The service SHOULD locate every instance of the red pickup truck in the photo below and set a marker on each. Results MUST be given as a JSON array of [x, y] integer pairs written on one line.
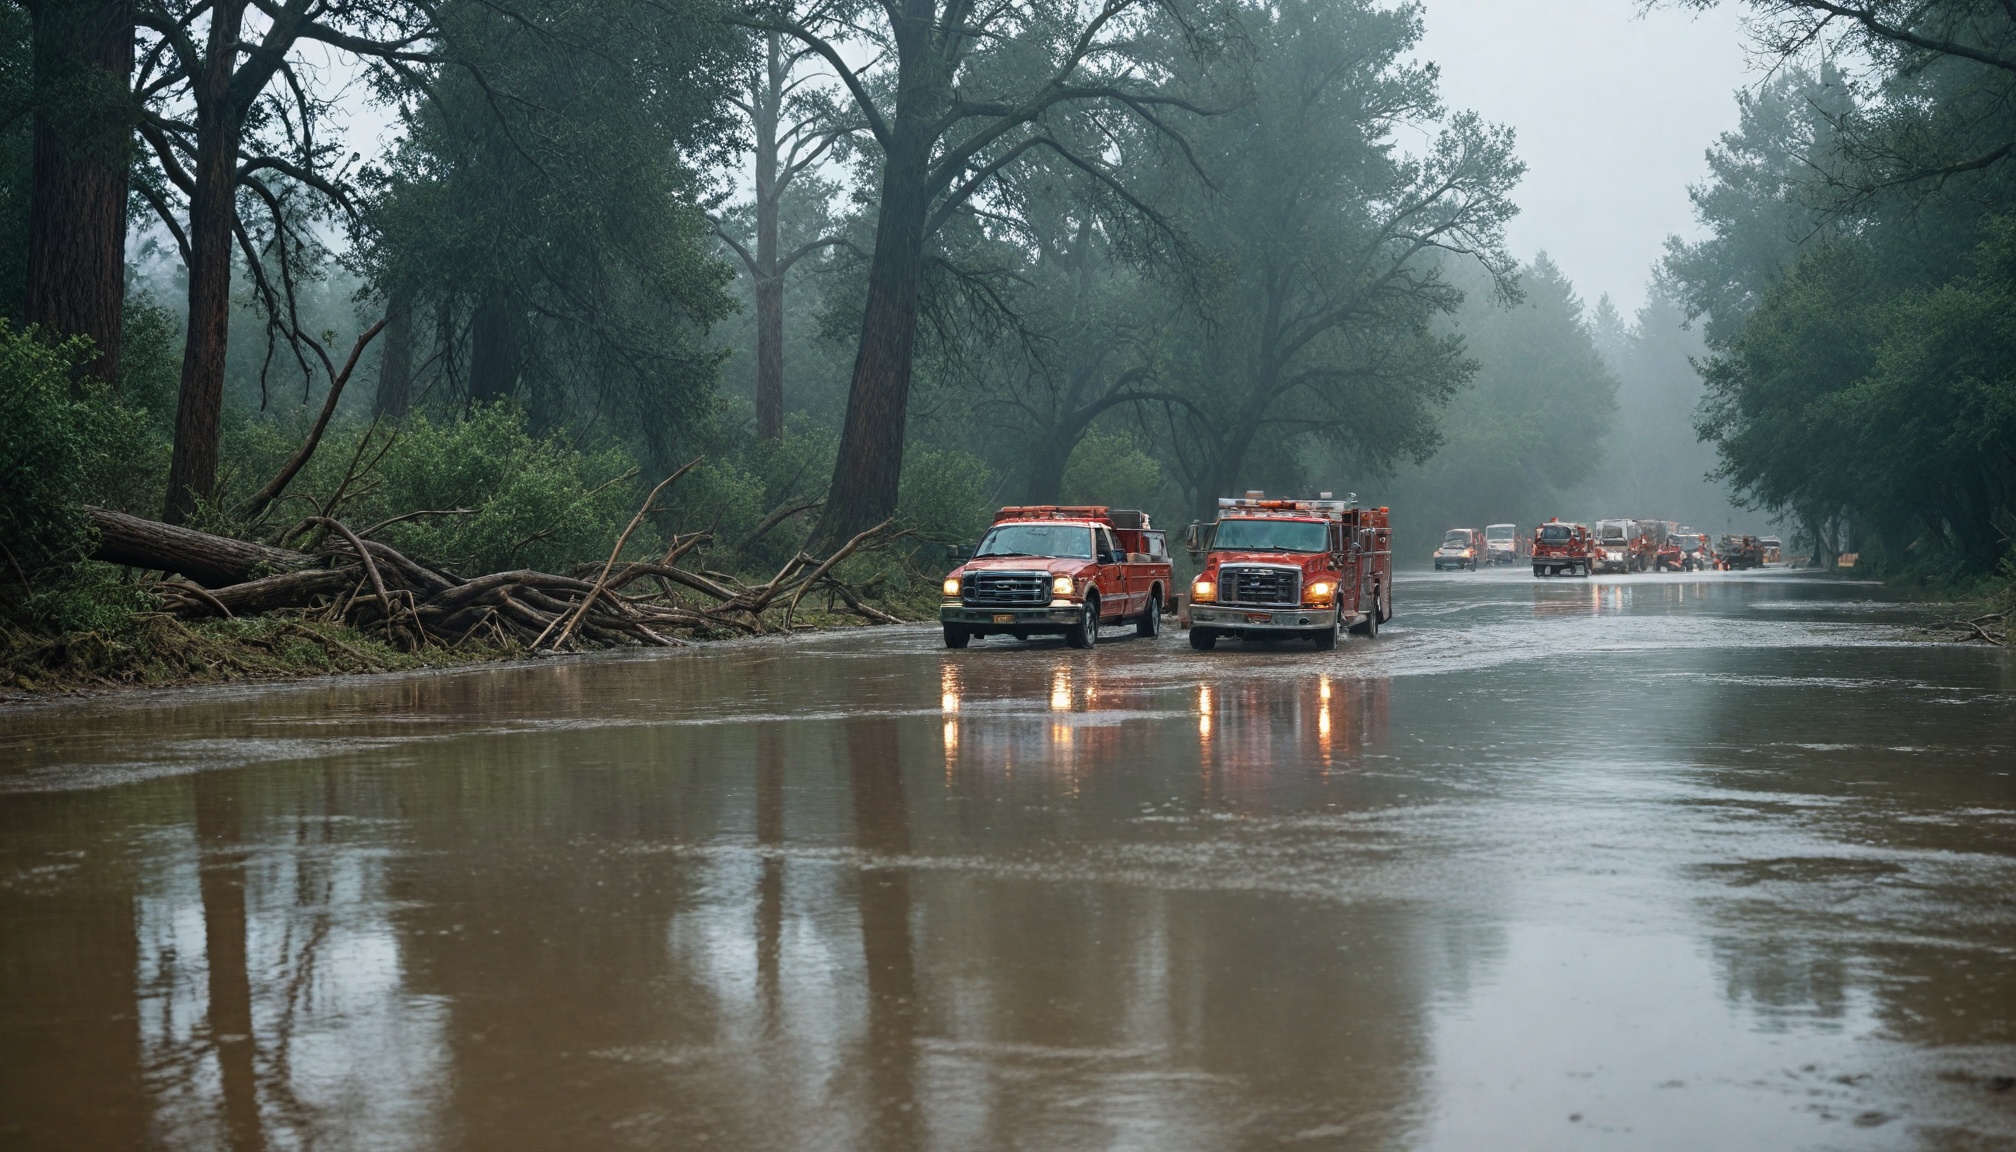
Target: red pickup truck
[[1291, 568], [1055, 569], [1563, 548]]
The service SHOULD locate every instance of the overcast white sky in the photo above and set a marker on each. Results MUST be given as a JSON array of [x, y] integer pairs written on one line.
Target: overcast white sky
[[1614, 112]]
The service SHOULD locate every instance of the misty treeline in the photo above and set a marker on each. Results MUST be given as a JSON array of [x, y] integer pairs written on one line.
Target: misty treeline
[[869, 263], [1857, 289]]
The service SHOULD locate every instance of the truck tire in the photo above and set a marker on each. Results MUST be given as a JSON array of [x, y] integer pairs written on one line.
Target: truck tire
[[1582, 570], [1203, 639], [1540, 570], [1326, 640], [956, 636], [1369, 626], [1085, 633], [1149, 624]]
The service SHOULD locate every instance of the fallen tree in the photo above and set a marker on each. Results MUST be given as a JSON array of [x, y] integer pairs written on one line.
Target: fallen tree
[[351, 579]]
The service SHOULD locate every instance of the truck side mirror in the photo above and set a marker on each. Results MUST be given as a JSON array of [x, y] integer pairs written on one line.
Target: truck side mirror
[[959, 552], [1193, 539]]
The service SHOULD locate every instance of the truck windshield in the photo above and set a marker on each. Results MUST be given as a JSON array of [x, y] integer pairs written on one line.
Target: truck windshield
[[1610, 531], [1456, 536], [1069, 541], [1270, 536], [1498, 532], [1555, 533]]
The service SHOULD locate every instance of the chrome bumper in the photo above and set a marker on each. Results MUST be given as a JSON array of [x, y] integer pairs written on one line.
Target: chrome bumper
[[1057, 614], [1261, 619]]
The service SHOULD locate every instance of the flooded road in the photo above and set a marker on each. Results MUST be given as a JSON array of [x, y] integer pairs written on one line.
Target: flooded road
[[1672, 862]]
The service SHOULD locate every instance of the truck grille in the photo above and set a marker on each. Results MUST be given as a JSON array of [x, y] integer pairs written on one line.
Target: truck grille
[[1259, 586], [1003, 589]]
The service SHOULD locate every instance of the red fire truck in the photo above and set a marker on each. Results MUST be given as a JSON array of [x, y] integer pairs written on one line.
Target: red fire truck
[[1276, 569], [1563, 548], [1053, 569]]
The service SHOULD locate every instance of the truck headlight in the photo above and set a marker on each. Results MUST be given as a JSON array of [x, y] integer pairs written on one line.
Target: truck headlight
[[1204, 591], [1320, 592], [951, 587], [1061, 586]]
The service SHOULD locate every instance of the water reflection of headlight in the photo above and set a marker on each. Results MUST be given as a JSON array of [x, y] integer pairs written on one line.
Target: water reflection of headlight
[[1060, 690]]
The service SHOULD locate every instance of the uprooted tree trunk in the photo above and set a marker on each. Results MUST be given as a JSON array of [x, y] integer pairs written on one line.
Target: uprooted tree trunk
[[374, 587]]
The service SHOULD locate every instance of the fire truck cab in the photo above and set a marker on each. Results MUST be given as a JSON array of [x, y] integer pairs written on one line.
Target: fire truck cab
[[1278, 569], [1059, 570], [1563, 548]]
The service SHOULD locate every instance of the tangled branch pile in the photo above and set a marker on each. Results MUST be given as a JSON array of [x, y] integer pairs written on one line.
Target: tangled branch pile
[[346, 577], [1992, 628]]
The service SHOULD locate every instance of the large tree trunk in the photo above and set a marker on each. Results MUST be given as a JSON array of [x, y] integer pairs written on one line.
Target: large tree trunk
[[769, 282], [869, 468], [192, 475], [395, 360], [213, 561], [769, 332], [77, 202], [496, 338]]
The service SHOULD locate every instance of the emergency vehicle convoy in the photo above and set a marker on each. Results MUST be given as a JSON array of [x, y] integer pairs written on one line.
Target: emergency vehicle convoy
[[1563, 549], [1287, 569], [1052, 569]]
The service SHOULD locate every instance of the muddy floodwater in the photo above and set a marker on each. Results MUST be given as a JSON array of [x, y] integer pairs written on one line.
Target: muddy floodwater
[[1688, 863]]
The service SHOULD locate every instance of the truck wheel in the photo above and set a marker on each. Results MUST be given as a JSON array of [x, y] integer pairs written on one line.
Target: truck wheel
[[957, 637], [1540, 570], [1203, 639], [1582, 570], [1085, 633], [1149, 624]]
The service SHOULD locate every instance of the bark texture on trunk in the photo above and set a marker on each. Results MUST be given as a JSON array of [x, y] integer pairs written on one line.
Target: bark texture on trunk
[[192, 475], [768, 107], [869, 469], [395, 360], [213, 561], [769, 345], [77, 200], [496, 338]]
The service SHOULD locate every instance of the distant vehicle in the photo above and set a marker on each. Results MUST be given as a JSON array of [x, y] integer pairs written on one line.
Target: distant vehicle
[[1503, 544], [1054, 569], [1669, 556], [1563, 549], [1279, 569], [1695, 555], [1739, 553], [1461, 548], [1774, 549], [1617, 545]]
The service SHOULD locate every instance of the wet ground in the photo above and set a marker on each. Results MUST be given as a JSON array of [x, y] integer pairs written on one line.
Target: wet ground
[[1683, 863]]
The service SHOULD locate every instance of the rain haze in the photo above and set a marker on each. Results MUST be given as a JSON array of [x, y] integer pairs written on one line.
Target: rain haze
[[1084, 576], [1615, 107]]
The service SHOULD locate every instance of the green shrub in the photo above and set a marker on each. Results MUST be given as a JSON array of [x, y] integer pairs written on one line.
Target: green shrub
[[947, 495], [1109, 468], [64, 441], [534, 503]]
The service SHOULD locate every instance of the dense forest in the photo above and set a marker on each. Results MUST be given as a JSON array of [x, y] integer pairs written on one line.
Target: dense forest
[[861, 273]]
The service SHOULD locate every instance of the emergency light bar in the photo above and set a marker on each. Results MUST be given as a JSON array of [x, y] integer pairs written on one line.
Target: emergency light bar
[[1258, 504]]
